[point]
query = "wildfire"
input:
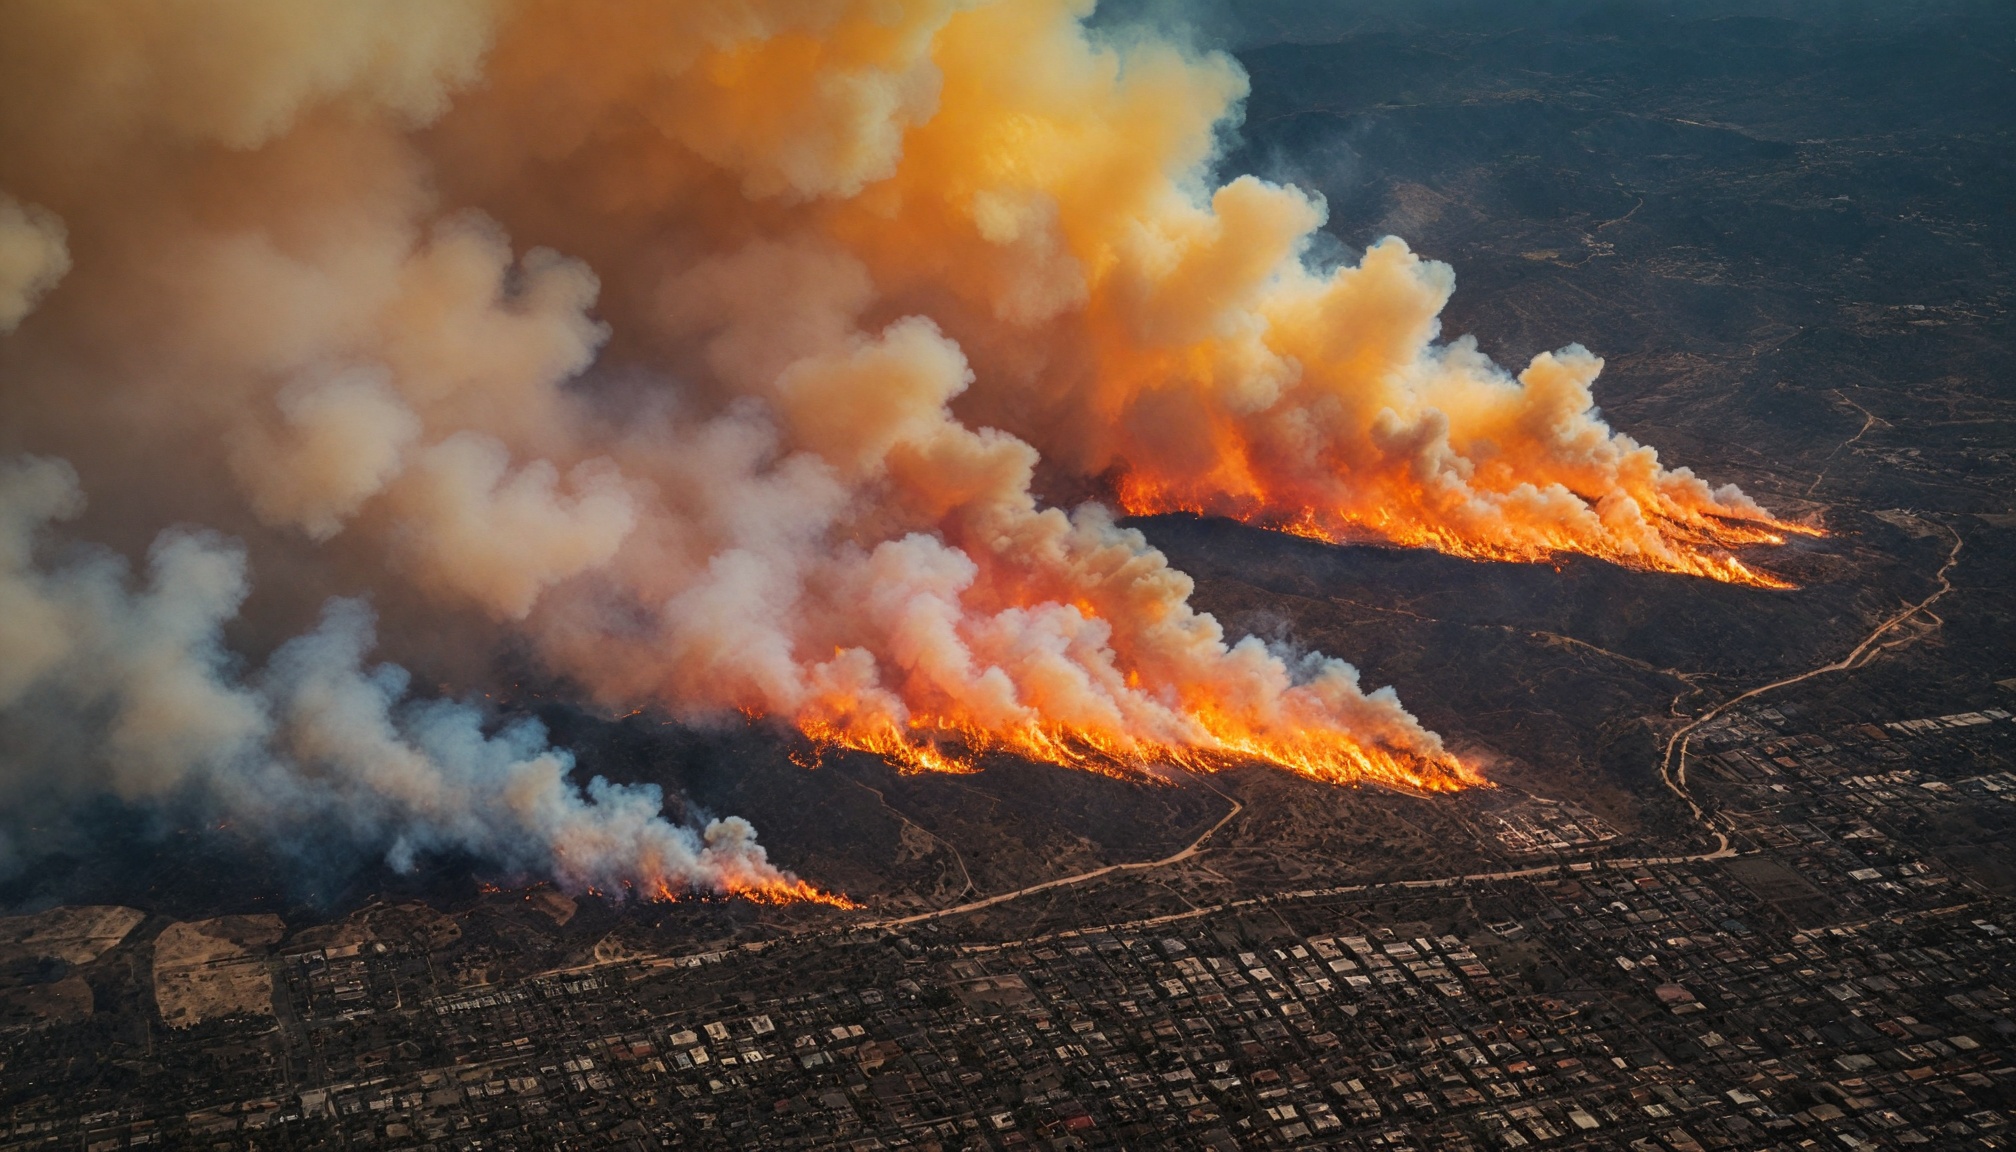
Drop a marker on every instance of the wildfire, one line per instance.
(907, 752)
(772, 889)
(729, 866)
(940, 745)
(789, 890)
(726, 385)
(1684, 541)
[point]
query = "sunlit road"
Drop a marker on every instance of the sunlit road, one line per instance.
(1186, 853)
(1722, 851)
(1673, 765)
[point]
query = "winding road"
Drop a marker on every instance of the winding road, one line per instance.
(1178, 857)
(1672, 769)
(1673, 765)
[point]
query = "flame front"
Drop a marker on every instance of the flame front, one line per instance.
(1337, 758)
(1678, 538)
(784, 890)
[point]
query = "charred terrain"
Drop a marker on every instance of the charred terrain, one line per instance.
(1744, 880)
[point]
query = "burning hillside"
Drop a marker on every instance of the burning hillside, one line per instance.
(707, 354)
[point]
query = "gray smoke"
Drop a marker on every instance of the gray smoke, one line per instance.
(114, 685)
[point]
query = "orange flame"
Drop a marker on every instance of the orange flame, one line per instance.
(789, 890)
(1698, 543)
(945, 745)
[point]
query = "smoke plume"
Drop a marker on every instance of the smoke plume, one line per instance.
(129, 691)
(711, 353)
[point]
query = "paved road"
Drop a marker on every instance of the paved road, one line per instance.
(1673, 765)
(1186, 853)
(1723, 851)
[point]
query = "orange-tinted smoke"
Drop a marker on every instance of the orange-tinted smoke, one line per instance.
(1144, 328)
(1036, 191)
(710, 352)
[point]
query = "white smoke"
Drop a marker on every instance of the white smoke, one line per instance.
(108, 687)
(33, 257)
